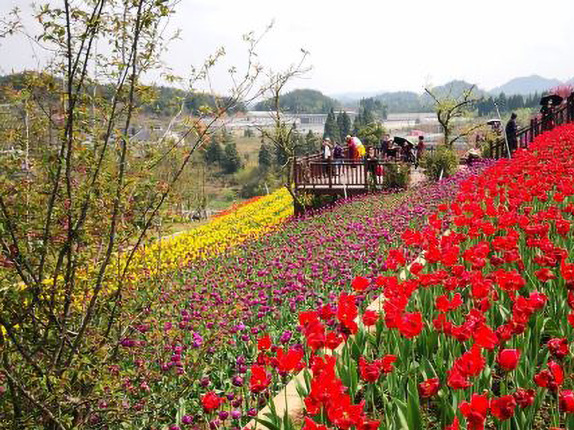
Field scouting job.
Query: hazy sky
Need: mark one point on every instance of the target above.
(369, 45)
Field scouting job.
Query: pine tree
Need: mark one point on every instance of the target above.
(213, 152)
(311, 144)
(231, 162)
(331, 129)
(344, 124)
(368, 116)
(264, 157)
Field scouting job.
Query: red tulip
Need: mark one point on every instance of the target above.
(386, 363)
(259, 379)
(566, 400)
(333, 340)
(508, 359)
(503, 407)
(312, 425)
(347, 312)
(264, 343)
(411, 324)
(475, 411)
(454, 425)
(558, 347)
(524, 398)
(456, 380)
(545, 275)
(290, 360)
(551, 378)
(370, 318)
(485, 337)
(211, 401)
(370, 372)
(429, 388)
(360, 284)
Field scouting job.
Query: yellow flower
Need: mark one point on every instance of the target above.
(219, 235)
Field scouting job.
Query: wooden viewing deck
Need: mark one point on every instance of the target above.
(339, 176)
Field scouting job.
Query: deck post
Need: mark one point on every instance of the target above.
(365, 175)
(330, 171)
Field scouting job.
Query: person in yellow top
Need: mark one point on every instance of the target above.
(360, 148)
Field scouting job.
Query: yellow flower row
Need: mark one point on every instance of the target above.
(218, 235)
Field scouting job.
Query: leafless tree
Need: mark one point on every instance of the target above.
(450, 108)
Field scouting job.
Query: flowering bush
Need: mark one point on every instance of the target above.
(481, 331)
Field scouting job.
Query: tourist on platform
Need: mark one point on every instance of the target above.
(351, 148)
(338, 155)
(372, 166)
(385, 145)
(361, 151)
(327, 152)
(327, 149)
(511, 129)
(420, 151)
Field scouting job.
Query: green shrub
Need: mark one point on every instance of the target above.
(441, 162)
(396, 176)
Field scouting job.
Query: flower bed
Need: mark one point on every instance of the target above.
(197, 341)
(228, 230)
(477, 337)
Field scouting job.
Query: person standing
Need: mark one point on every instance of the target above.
(420, 151)
(359, 147)
(327, 148)
(511, 129)
(385, 145)
(338, 156)
(547, 112)
(327, 154)
(351, 148)
(371, 164)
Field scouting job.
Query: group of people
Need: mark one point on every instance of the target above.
(397, 148)
(403, 149)
(334, 151)
(547, 119)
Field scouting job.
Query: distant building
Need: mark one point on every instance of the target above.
(264, 119)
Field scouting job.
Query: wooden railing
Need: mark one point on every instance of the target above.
(340, 174)
(525, 136)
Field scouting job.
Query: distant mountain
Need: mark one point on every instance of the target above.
(354, 97)
(570, 82)
(301, 101)
(403, 101)
(455, 89)
(526, 85)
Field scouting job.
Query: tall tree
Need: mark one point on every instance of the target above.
(231, 162)
(311, 145)
(450, 108)
(344, 124)
(282, 134)
(331, 129)
(265, 158)
(213, 152)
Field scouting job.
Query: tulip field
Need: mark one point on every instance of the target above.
(189, 355)
(227, 230)
(476, 335)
